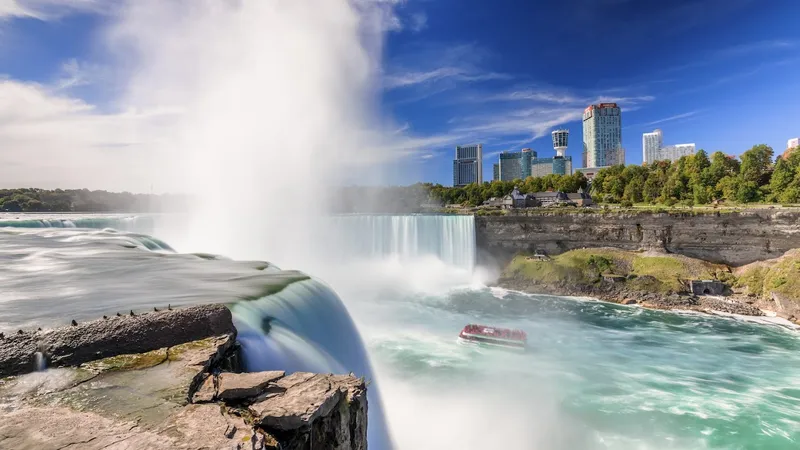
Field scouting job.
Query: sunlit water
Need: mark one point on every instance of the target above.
(597, 375)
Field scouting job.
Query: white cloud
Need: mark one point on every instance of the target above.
(419, 22)
(52, 140)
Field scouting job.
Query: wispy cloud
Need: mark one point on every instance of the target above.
(755, 47)
(411, 78)
(50, 9)
(736, 51)
(734, 76)
(434, 68)
(671, 118)
(419, 22)
(515, 117)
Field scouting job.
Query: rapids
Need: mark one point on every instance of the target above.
(597, 376)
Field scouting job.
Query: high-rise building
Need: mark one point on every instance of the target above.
(602, 135)
(468, 165)
(524, 164)
(651, 144)
(516, 165)
(528, 155)
(510, 166)
(496, 172)
(674, 152)
(791, 147)
(546, 166)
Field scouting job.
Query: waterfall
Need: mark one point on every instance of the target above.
(451, 238)
(141, 224)
(306, 327)
(40, 362)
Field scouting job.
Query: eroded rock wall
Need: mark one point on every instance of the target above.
(732, 238)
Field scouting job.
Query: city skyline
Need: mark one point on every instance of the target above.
(717, 73)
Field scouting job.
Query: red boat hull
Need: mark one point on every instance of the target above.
(492, 336)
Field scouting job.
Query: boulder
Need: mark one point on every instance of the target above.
(207, 392)
(240, 386)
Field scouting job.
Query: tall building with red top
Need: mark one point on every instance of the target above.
(602, 135)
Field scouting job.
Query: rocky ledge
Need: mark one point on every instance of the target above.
(612, 292)
(183, 395)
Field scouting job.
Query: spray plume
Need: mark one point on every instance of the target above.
(274, 103)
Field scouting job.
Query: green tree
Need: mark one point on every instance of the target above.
(747, 191)
(756, 164)
(634, 190)
(700, 195)
(782, 177)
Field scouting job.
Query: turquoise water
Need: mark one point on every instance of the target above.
(596, 375)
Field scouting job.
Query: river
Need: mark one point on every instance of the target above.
(597, 375)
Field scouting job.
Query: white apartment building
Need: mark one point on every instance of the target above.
(651, 145)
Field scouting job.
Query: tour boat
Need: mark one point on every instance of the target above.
(494, 337)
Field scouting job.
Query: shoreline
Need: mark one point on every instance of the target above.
(731, 307)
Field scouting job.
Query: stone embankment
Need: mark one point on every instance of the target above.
(167, 387)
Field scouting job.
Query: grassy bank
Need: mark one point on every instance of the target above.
(767, 279)
(641, 271)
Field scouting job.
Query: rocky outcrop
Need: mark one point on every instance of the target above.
(623, 294)
(727, 237)
(112, 336)
(184, 396)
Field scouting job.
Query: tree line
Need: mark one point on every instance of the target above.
(699, 180)
(84, 200)
(476, 194)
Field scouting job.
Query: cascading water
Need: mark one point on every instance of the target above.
(138, 223)
(449, 238)
(286, 320)
(305, 327)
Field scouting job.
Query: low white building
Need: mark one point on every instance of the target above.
(675, 152)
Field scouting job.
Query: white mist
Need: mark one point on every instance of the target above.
(274, 102)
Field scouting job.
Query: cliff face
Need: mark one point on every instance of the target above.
(732, 238)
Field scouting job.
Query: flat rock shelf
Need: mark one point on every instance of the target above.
(185, 393)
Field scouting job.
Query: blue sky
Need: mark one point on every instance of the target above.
(720, 73)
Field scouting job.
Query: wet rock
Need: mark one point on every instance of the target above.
(73, 345)
(207, 392)
(142, 400)
(305, 410)
(239, 386)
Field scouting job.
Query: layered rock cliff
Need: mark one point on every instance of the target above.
(181, 389)
(729, 237)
